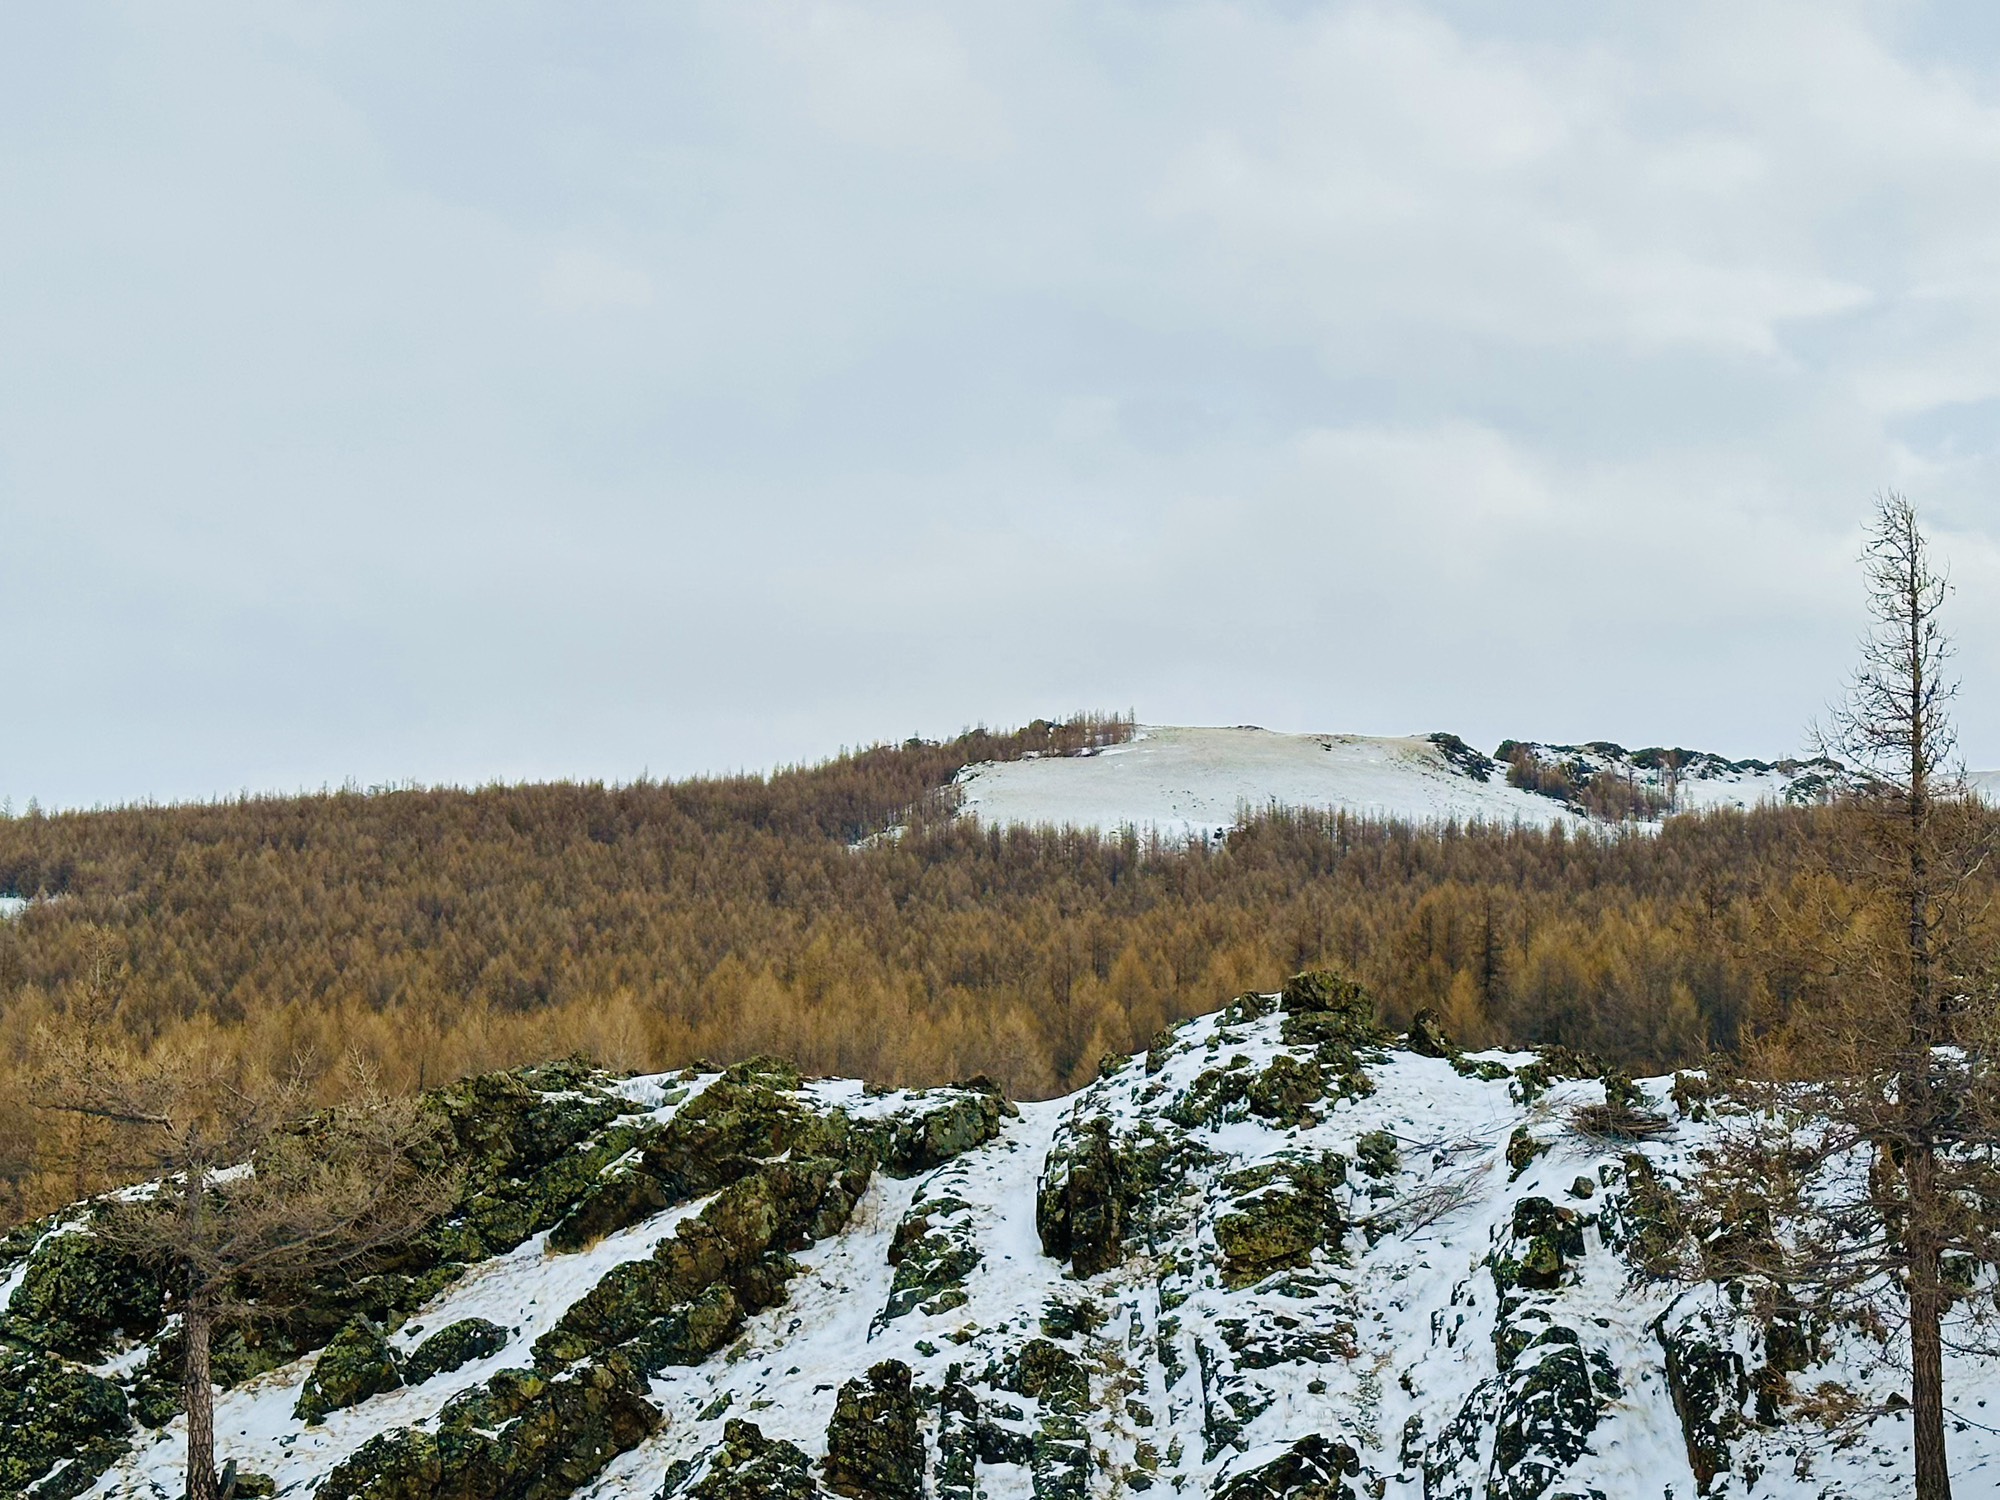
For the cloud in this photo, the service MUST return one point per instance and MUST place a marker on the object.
(583, 390)
(587, 281)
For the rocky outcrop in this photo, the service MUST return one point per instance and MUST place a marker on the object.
(875, 1442)
(520, 1437)
(60, 1425)
(359, 1363)
(454, 1346)
(1283, 1256)
(746, 1465)
(1315, 1468)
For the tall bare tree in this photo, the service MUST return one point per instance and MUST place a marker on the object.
(1863, 1184)
(253, 1201)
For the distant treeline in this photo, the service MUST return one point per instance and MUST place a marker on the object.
(839, 915)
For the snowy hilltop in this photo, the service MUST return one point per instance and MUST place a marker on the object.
(1182, 781)
(1278, 1254)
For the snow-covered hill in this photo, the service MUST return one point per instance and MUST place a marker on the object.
(1185, 781)
(1277, 1255)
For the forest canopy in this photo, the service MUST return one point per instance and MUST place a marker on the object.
(840, 915)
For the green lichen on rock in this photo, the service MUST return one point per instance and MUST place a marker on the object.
(1427, 1036)
(1546, 1241)
(730, 1260)
(943, 1124)
(1287, 1209)
(622, 1196)
(1523, 1146)
(79, 1294)
(875, 1442)
(453, 1346)
(357, 1364)
(1080, 1205)
(1286, 1091)
(1552, 1064)
(1324, 1010)
(1315, 1468)
(52, 1413)
(745, 1466)
(1709, 1382)
(1377, 1154)
(1548, 1410)
(518, 1438)
(933, 1250)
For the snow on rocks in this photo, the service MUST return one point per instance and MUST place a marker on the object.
(1193, 782)
(1278, 1254)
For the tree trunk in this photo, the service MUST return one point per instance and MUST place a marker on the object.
(198, 1396)
(1926, 1294)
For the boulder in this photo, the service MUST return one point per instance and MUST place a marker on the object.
(1080, 1202)
(52, 1411)
(1315, 1468)
(747, 1466)
(452, 1346)
(875, 1443)
(359, 1363)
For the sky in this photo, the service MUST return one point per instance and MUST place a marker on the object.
(464, 392)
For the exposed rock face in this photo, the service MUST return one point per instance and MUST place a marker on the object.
(1314, 1469)
(875, 1443)
(1282, 1257)
(749, 1466)
(358, 1364)
(454, 1346)
(54, 1413)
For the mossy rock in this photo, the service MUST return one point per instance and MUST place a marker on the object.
(1377, 1154)
(1045, 1371)
(519, 1438)
(737, 1241)
(933, 1251)
(79, 1294)
(746, 1466)
(1286, 1091)
(722, 1134)
(684, 1335)
(1216, 1095)
(620, 1197)
(1287, 1212)
(453, 1346)
(1523, 1146)
(1324, 993)
(1080, 1205)
(1315, 1468)
(357, 1364)
(1427, 1036)
(943, 1125)
(1551, 1064)
(1246, 1007)
(1547, 1413)
(874, 1442)
(771, 1072)
(1709, 1384)
(1546, 1241)
(54, 1412)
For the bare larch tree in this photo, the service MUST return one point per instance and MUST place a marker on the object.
(1858, 1190)
(253, 1201)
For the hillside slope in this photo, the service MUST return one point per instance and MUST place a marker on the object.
(1270, 1257)
(1186, 781)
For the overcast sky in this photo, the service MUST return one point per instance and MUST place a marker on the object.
(457, 392)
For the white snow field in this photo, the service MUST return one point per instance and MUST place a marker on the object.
(1183, 782)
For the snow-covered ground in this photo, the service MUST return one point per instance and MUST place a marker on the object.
(1184, 781)
(1188, 781)
(12, 906)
